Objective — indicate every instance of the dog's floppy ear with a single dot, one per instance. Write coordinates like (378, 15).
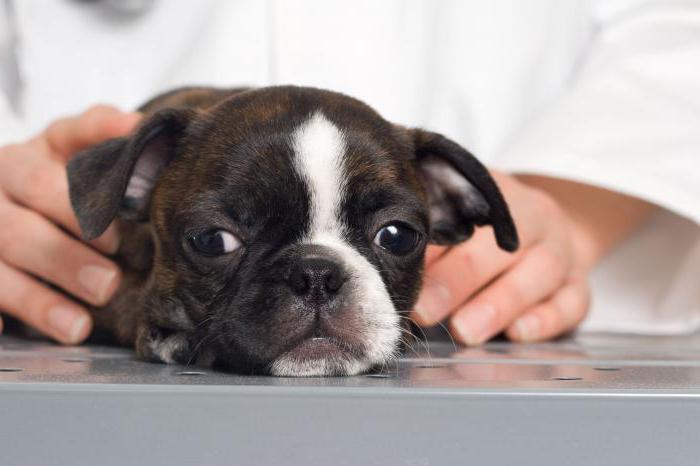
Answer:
(460, 192)
(118, 176)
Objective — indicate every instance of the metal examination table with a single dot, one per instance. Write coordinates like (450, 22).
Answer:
(592, 399)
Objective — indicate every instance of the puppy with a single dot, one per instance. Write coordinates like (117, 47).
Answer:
(277, 230)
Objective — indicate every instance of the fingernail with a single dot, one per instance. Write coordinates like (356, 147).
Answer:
(68, 322)
(528, 328)
(98, 281)
(433, 301)
(475, 325)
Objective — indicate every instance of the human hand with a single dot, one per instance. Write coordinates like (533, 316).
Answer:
(536, 293)
(38, 238)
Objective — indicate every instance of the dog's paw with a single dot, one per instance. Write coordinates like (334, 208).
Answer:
(158, 346)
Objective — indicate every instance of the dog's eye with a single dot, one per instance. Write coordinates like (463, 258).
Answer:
(397, 238)
(214, 242)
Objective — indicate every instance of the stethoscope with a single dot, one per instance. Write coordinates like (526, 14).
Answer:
(10, 69)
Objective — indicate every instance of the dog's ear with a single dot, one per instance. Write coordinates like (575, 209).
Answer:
(118, 176)
(460, 191)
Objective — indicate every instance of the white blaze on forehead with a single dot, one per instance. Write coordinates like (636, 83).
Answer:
(319, 148)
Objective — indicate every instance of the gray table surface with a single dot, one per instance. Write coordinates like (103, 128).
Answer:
(592, 399)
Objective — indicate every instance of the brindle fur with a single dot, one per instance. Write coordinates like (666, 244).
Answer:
(168, 300)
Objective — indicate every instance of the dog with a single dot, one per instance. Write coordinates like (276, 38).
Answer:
(275, 230)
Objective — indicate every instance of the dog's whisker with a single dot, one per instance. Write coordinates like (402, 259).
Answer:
(196, 349)
(425, 338)
(424, 341)
(410, 346)
(204, 321)
(408, 343)
(449, 334)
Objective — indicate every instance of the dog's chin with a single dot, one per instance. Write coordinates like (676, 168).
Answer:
(321, 356)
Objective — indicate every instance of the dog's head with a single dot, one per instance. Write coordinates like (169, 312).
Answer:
(289, 226)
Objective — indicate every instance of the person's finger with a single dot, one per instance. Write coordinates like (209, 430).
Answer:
(99, 123)
(555, 316)
(458, 274)
(30, 243)
(1, 324)
(433, 253)
(537, 275)
(41, 184)
(42, 308)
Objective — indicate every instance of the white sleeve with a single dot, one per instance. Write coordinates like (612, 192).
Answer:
(11, 128)
(630, 121)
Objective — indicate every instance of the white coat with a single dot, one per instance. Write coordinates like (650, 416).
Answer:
(605, 92)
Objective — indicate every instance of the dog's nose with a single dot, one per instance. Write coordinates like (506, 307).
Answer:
(316, 277)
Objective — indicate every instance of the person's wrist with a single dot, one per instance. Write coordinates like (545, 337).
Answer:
(584, 247)
(589, 214)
